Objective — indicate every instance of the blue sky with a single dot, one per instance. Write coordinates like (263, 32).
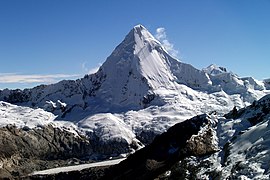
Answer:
(45, 41)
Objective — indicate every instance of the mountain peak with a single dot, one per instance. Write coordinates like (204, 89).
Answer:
(214, 69)
(139, 27)
(139, 31)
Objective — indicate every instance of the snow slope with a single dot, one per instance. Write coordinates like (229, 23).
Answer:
(243, 140)
(23, 116)
(249, 154)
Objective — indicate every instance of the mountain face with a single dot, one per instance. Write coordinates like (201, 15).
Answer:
(139, 73)
(129, 79)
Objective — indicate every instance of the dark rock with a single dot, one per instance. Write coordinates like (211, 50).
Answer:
(148, 98)
(23, 151)
(180, 141)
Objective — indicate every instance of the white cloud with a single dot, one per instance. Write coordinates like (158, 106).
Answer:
(33, 78)
(84, 68)
(87, 70)
(162, 37)
(160, 33)
(94, 70)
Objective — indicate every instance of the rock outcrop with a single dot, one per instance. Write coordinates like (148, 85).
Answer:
(193, 137)
(25, 150)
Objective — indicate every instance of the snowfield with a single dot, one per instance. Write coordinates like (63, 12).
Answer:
(244, 147)
(23, 116)
(78, 167)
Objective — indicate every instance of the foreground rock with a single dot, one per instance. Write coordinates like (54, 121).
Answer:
(194, 137)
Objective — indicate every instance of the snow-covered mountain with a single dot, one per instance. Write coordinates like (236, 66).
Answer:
(141, 88)
(139, 91)
(139, 73)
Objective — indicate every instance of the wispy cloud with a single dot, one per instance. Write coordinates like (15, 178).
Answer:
(84, 68)
(87, 70)
(34, 78)
(94, 70)
(162, 37)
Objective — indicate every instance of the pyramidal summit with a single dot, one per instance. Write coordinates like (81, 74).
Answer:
(138, 93)
(139, 73)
